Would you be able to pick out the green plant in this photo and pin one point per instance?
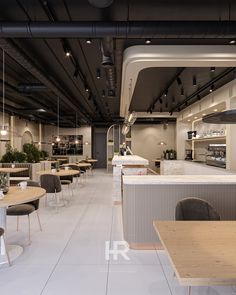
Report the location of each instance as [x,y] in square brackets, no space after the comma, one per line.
[13,155]
[32,152]
[44,154]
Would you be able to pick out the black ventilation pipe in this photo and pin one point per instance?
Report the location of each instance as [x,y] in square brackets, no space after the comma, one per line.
[119,29]
[107,49]
[28,88]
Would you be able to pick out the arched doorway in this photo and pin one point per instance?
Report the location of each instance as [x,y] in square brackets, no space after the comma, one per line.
[27,137]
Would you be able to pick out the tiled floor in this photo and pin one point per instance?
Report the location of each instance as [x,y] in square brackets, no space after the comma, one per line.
[68,257]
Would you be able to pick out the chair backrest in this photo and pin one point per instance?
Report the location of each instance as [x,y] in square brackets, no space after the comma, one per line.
[1,231]
[195,209]
[51,183]
[36,202]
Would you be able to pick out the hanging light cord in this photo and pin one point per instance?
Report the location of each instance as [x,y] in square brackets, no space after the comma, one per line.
[3,89]
[58,116]
[76,126]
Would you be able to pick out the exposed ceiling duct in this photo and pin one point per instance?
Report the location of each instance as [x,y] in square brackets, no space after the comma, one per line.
[100,3]
[28,88]
[119,29]
[107,50]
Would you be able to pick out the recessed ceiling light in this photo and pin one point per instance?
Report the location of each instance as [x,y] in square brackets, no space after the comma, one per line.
[88,41]
[148,41]
[204,114]
[215,110]
[195,117]
[232,42]
[189,120]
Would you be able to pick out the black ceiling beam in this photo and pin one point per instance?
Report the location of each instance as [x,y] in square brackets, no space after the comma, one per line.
[119,29]
[204,87]
[17,54]
[169,84]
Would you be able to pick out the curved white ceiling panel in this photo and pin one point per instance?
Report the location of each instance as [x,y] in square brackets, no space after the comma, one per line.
[137,58]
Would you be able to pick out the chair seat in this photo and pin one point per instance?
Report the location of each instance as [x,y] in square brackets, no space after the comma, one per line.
[1,231]
[22,209]
[65,181]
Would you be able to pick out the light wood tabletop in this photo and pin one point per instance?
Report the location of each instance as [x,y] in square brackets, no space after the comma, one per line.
[79,165]
[91,160]
[12,170]
[61,172]
[16,195]
[202,253]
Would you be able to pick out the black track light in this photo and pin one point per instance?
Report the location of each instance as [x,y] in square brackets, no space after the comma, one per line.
[179,81]
[179,109]
[98,75]
[166,92]
[213,69]
[171,113]
[198,97]
[182,91]
[150,111]
[148,41]
[161,101]
[166,105]
[212,88]
[88,41]
[194,81]
[103,93]
[186,103]
[76,73]
[66,50]
[86,87]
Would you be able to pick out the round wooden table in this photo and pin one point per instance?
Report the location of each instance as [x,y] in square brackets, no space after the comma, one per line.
[92,161]
[16,196]
[79,165]
[61,172]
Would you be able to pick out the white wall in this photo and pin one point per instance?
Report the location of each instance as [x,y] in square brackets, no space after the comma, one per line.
[145,139]
[50,131]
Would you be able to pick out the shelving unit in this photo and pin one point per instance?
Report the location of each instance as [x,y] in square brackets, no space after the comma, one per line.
[212,138]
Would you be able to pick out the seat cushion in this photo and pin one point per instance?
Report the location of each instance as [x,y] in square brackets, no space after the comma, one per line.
[65,181]
[1,231]
[22,209]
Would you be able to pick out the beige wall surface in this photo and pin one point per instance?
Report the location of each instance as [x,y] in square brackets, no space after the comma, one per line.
[145,139]
[50,131]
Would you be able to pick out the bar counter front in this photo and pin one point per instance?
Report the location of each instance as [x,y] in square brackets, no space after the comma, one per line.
[147,198]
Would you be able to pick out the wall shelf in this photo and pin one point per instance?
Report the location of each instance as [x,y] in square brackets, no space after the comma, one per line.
[212,138]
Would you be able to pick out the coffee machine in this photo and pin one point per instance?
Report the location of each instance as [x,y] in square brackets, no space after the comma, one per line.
[216,155]
[189,154]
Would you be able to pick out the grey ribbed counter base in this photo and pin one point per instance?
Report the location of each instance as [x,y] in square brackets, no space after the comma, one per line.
[143,203]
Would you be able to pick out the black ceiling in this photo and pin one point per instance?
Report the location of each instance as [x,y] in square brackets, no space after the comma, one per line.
[42,62]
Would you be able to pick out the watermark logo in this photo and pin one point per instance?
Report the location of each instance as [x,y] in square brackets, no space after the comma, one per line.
[118,248]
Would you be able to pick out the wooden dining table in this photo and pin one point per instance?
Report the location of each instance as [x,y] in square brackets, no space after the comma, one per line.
[202,253]
[61,172]
[9,170]
[79,165]
[16,196]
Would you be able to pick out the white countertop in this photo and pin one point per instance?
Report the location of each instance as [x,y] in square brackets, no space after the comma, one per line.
[129,160]
[179,179]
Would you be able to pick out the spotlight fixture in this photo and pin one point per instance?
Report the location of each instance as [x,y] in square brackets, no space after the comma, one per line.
[179,109]
[186,103]
[66,50]
[76,73]
[131,118]
[182,91]
[194,81]
[198,97]
[90,97]
[58,139]
[212,88]
[179,81]
[215,110]
[103,93]
[98,74]
[150,111]
[166,92]
[166,104]
[88,41]
[213,69]
[53,143]
[171,113]
[86,87]
[148,41]
[161,101]
[232,42]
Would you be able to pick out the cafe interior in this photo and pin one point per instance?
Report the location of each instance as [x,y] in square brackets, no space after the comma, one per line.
[117,147]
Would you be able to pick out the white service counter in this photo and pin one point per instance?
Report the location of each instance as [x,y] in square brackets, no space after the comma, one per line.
[147,198]
[127,165]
